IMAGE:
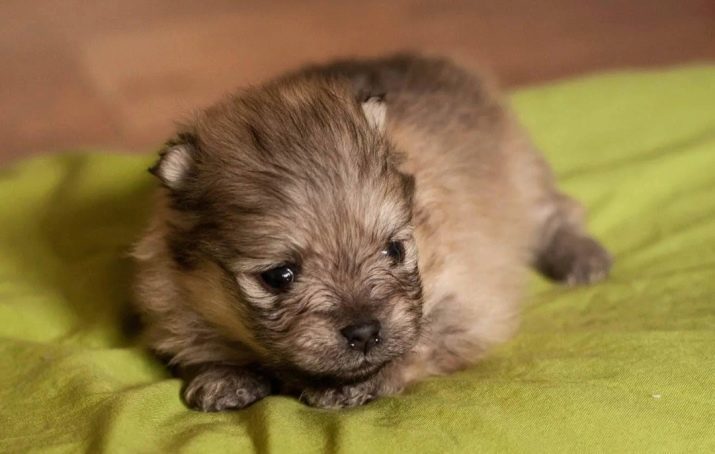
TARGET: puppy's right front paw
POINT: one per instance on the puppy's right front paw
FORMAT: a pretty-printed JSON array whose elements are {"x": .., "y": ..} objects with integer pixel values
[{"x": 221, "y": 388}]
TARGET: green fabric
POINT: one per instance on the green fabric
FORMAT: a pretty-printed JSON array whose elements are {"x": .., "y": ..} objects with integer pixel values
[{"x": 626, "y": 365}]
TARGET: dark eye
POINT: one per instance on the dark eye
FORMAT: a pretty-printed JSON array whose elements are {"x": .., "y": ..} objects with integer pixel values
[
  {"x": 395, "y": 250},
  {"x": 280, "y": 277}
]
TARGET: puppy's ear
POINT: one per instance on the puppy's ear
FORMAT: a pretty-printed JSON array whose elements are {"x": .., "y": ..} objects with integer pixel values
[
  {"x": 176, "y": 161},
  {"x": 375, "y": 111},
  {"x": 408, "y": 187}
]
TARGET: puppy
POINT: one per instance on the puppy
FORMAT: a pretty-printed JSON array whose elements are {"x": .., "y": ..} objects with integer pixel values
[{"x": 346, "y": 230}]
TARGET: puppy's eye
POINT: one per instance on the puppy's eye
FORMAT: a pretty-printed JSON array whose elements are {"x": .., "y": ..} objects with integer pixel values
[
  {"x": 395, "y": 250},
  {"x": 280, "y": 277}
]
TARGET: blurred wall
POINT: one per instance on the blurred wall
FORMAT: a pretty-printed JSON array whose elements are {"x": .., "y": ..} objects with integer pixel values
[{"x": 115, "y": 74}]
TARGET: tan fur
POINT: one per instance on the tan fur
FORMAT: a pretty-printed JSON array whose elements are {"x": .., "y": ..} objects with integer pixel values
[{"x": 451, "y": 175}]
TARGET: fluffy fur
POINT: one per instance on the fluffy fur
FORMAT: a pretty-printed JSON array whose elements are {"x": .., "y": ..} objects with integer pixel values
[{"x": 324, "y": 169}]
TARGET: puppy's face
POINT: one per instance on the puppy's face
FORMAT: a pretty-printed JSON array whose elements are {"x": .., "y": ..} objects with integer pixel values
[{"x": 289, "y": 200}]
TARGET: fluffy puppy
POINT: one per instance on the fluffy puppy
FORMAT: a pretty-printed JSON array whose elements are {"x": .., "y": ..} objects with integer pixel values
[{"x": 348, "y": 229}]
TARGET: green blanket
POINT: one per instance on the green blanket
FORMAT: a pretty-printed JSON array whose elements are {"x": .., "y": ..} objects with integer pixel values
[{"x": 626, "y": 365}]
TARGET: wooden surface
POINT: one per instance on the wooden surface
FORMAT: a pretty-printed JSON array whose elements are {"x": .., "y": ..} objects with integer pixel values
[{"x": 115, "y": 75}]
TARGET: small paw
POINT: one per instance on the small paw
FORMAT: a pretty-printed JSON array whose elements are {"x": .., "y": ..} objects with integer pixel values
[
  {"x": 590, "y": 265},
  {"x": 339, "y": 397},
  {"x": 224, "y": 388},
  {"x": 576, "y": 260}
]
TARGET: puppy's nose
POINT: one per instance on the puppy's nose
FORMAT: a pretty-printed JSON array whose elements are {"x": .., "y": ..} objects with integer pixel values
[{"x": 363, "y": 335}]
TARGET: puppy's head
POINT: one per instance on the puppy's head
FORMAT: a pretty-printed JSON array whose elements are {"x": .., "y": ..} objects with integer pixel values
[{"x": 291, "y": 230}]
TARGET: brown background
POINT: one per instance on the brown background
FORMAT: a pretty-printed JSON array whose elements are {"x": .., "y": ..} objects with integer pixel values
[{"x": 115, "y": 74}]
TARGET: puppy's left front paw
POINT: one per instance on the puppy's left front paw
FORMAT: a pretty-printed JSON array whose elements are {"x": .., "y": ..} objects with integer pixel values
[{"x": 339, "y": 397}]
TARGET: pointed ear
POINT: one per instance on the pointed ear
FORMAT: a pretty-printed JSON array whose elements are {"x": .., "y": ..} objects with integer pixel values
[
  {"x": 175, "y": 161},
  {"x": 375, "y": 111}
]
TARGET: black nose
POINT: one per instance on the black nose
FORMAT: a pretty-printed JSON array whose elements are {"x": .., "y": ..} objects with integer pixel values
[{"x": 363, "y": 335}]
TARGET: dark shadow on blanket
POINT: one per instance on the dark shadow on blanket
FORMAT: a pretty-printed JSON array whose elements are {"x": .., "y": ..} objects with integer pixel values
[{"x": 86, "y": 231}]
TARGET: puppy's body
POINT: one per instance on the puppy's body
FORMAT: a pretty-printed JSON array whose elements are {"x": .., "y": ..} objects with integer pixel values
[{"x": 449, "y": 182}]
